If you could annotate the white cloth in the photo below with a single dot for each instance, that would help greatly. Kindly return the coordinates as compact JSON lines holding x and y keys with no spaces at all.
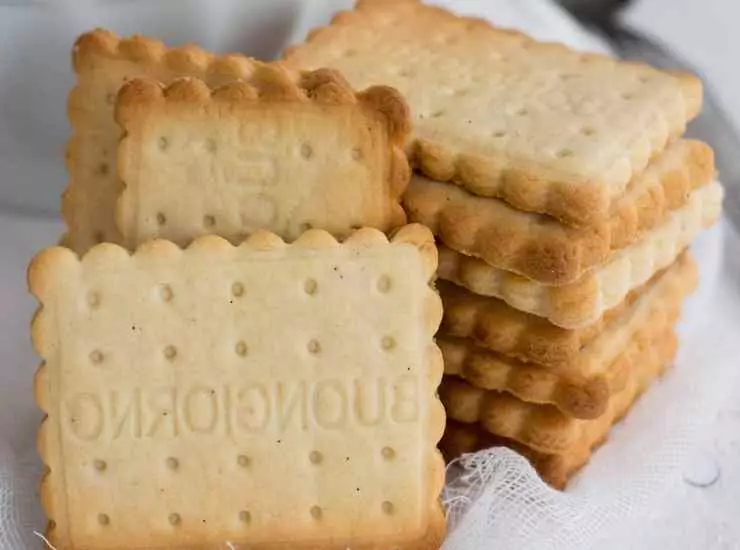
{"x":497,"y":501}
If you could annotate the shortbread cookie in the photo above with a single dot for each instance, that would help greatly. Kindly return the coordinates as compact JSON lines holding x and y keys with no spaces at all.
{"x":497,"y":326}
{"x":281,"y":152}
{"x":583,"y":302}
{"x":544,"y":428}
{"x":544,"y":128}
{"x":555,"y":469}
{"x":576,"y":394}
{"x":262,"y":396}
{"x":103,"y":62}
{"x":539,"y":247}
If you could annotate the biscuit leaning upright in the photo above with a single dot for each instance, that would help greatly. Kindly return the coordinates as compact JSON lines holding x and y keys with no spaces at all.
{"x":265,"y":396}
{"x":281,"y":151}
{"x":103,"y":62}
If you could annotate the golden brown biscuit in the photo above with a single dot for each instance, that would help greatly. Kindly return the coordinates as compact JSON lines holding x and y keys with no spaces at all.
{"x":545,"y":128}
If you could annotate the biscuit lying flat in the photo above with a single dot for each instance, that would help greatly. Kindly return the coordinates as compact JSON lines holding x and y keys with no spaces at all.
{"x":281,"y":151}
{"x":543,"y":428}
{"x":103,"y":62}
{"x":583,"y":302}
{"x":266,"y":395}
{"x":576,"y":394}
{"x":496,"y":326}
{"x":545,"y":128}
{"x":543,"y":249}
{"x":554,"y":469}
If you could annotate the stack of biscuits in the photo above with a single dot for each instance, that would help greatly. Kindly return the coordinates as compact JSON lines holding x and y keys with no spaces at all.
{"x":563,"y":197}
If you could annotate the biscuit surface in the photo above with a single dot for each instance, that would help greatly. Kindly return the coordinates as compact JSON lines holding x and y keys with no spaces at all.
{"x":103,"y":62}
{"x":266,"y":395}
{"x":496,"y":326}
{"x":544,"y":428}
{"x":544,"y":250}
{"x":583,"y":302}
{"x":545,"y":128}
{"x":279,"y":151}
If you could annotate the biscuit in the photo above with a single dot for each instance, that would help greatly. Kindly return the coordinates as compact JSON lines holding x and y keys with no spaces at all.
{"x":103,"y":62}
{"x":539,"y":247}
{"x":498,"y":327}
{"x":545,"y":128}
{"x":554,"y":469}
{"x":544,"y":428}
{"x":280,"y":151}
{"x":575,"y":393}
{"x":262,"y":396}
{"x":583,"y":302}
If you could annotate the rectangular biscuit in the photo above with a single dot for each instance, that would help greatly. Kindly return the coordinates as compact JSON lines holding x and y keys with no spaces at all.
{"x":263,"y":396}
{"x":544,"y":428}
{"x":545,"y":128}
{"x":541,"y":248}
{"x":576,"y":394}
{"x":498,"y":327}
{"x":279,"y":151}
{"x":103,"y":62}
{"x":584,"y":301}
{"x":555,"y":469}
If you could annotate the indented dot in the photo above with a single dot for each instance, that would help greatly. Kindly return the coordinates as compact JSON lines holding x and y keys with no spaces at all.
{"x":384,"y":284}
{"x":627,"y":96}
{"x":211,"y":145}
{"x":316,"y":512}
{"x":173,"y":463}
{"x":405,"y":72}
{"x":241,"y":349}
{"x":209,"y":221}
{"x":310,"y":286}
{"x":564,"y":153}
{"x":161,"y":218}
{"x":170,"y":352}
{"x":314,"y":346}
{"x":96,"y":356}
{"x":164,"y":143}
{"x":588,"y":131}
{"x":499,"y":134}
{"x":110,"y":98}
{"x":306,"y":151}
{"x":388,"y":342}
{"x":388,"y":453}
{"x":175,"y":519}
{"x":103,"y":519}
{"x":243,"y":461}
{"x":315,"y":457}
{"x":93,"y":299}
{"x":245,"y":517}
{"x":462,"y":92}
{"x":237,"y":289}
{"x":388,"y":507}
{"x":100,"y":465}
{"x":522,"y":112}
{"x":165,"y":292}
{"x":103,"y":169}
{"x":350,"y":52}
{"x":437,"y":114}
{"x":356,"y":153}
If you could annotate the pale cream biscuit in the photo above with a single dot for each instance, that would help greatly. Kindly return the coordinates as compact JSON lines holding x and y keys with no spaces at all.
{"x":264,"y":396}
